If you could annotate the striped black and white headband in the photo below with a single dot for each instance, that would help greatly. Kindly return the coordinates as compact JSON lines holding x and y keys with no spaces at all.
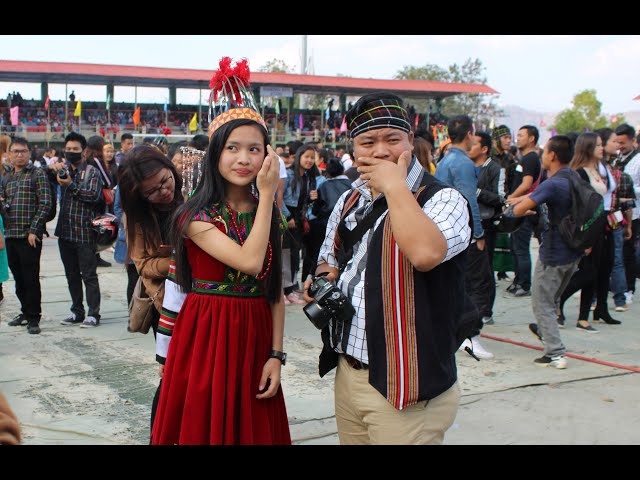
{"x":379,"y":114}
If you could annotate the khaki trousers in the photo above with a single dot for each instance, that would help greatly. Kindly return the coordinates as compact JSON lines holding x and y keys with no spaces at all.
{"x":365,"y":417}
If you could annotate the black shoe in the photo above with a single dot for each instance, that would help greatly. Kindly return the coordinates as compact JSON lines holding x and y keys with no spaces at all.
{"x":512,"y":288}
{"x":72,"y":320}
{"x":604,"y":316}
{"x":503,"y":276}
{"x":534,"y":329}
{"x":33,"y":328}
{"x":103,"y":263}
{"x":587,"y":329}
{"x":18,"y":321}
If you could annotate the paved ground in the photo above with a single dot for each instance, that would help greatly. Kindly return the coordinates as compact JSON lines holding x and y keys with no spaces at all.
{"x":94,"y":386}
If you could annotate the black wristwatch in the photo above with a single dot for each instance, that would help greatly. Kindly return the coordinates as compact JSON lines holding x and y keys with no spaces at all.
{"x":279,"y":355}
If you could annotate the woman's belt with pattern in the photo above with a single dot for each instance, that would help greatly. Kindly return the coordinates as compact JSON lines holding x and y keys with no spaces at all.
{"x":224,"y":288}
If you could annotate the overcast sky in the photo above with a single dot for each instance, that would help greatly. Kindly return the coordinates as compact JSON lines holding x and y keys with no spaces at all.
{"x":537,"y":72}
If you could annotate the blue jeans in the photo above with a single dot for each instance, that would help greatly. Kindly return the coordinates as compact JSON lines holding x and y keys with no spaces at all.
{"x":520,"y":243}
{"x":618,"y":278}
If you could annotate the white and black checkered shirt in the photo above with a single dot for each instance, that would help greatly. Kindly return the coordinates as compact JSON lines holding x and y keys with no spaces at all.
{"x":447,"y":208}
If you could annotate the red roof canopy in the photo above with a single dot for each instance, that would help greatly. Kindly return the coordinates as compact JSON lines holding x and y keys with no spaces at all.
{"x":95,"y":74}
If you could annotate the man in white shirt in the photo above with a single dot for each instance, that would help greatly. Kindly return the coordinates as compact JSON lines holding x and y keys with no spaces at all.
{"x":396,"y":380}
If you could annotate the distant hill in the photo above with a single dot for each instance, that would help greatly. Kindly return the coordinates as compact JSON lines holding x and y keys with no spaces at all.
{"x":515,"y":117}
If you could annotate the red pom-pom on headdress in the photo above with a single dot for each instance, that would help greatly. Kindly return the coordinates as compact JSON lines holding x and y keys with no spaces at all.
{"x":230,"y":92}
{"x":222,"y":74}
{"x":242,"y":71}
{"x":226,"y":74}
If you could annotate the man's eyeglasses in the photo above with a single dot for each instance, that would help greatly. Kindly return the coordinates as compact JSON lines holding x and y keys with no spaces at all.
{"x":19,"y":152}
{"x":162,"y":185}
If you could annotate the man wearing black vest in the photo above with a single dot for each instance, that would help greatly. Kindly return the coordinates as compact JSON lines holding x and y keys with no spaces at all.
{"x":396,"y":381}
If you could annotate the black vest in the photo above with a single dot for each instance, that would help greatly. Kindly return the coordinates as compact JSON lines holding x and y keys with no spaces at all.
{"x":438,"y":296}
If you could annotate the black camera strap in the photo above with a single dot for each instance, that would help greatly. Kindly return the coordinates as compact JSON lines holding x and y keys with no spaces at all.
{"x":351,"y":237}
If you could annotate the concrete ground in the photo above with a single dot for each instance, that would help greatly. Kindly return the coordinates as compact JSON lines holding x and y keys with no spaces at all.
{"x":73,"y":386}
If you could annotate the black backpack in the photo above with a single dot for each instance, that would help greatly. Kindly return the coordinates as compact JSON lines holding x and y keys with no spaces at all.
{"x":586,"y":217}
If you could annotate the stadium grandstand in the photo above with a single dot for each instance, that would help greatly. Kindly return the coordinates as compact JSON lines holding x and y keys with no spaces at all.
{"x":48,"y":121}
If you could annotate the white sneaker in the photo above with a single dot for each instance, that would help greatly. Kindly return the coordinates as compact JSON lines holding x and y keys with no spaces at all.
{"x":89,"y":322}
{"x":478,"y":350}
{"x":559,"y":361}
{"x":629,"y":297}
{"x":622,"y":308}
{"x":466,"y":343}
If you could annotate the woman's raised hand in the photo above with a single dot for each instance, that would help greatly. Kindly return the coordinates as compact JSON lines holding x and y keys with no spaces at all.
{"x":269,"y":174}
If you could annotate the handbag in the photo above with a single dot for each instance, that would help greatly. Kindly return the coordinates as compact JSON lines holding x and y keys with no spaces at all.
{"x":141,"y":308}
{"x":109,"y":195}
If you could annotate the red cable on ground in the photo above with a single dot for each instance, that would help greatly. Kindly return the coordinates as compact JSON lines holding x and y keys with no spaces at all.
{"x":570,"y":355}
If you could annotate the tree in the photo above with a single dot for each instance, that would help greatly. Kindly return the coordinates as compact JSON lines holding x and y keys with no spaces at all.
{"x":475,"y":105}
{"x":585,"y":113}
{"x":276,"y":66}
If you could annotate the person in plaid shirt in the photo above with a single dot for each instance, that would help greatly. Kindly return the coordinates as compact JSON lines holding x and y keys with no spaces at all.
{"x":81,"y":190}
{"x":27,"y":199}
{"x":624,"y":201}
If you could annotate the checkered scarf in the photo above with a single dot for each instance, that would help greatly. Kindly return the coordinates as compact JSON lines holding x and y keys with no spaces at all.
{"x":379,"y":114}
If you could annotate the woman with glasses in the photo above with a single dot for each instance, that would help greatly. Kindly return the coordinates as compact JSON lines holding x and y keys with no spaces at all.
{"x":150,"y":191}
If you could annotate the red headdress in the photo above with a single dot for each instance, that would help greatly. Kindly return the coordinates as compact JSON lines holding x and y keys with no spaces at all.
{"x":231,"y":96}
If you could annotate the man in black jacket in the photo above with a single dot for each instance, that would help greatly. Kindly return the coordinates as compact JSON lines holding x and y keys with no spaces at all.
{"x":490,"y":193}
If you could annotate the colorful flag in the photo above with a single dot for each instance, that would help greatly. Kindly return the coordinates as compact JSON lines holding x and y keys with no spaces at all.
{"x":301,"y":121}
{"x":14,"y":116}
{"x":108,"y":101}
{"x":343,"y":127}
{"x":193,"y":125}
{"x":78,"y":111}
{"x":418,"y":120}
{"x":46,"y":103}
{"x":136,"y":116}
{"x":166,"y":108}
{"x":328,"y":113}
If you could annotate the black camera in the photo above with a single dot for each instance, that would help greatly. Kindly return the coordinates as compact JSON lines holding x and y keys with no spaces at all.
{"x":329,"y":303}
{"x":63,"y":173}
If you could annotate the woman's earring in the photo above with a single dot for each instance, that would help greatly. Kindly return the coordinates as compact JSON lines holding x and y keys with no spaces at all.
{"x":191,"y":156}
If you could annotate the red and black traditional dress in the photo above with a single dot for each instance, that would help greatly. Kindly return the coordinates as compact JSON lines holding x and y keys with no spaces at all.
{"x":219,"y":345}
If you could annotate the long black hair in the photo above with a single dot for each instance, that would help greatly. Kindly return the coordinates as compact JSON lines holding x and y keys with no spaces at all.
{"x":211,"y":191}
{"x":139,"y":163}
{"x":313,"y":172}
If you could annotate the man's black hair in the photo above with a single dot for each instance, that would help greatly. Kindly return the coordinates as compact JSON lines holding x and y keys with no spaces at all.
{"x":76,"y":137}
{"x":458,"y":127}
{"x":532,"y":131}
{"x":626,"y":129}
{"x":485,"y":140}
{"x":562,"y":146}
